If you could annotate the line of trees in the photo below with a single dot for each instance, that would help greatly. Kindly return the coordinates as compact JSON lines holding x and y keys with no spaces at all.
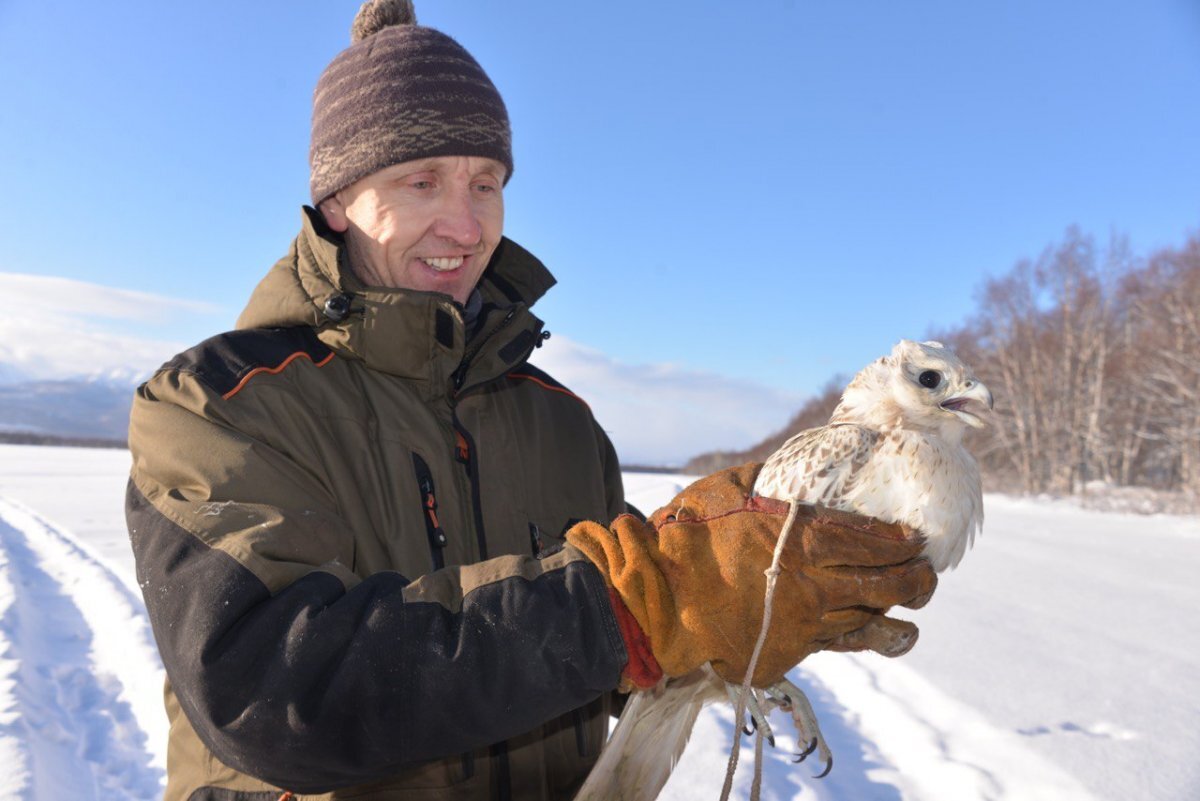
{"x":31,"y":438}
{"x":1094,"y":358}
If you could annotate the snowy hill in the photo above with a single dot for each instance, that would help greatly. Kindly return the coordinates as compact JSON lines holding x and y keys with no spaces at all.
{"x":92,"y":407}
{"x":1060,"y":661}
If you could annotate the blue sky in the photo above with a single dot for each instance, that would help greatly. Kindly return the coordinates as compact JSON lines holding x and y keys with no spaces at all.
{"x":766,"y":193}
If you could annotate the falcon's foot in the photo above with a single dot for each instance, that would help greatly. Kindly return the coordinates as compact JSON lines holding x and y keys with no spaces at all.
{"x":758,"y":716}
{"x":791,"y":699}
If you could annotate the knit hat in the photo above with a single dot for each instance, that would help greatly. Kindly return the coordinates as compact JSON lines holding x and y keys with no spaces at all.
{"x":400,"y":92}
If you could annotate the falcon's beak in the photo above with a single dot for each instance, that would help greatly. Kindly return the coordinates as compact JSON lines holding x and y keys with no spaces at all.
{"x":971,"y":403}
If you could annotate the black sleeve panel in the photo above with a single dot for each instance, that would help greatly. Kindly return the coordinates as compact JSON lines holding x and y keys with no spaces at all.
{"x":318,"y":687}
{"x":223,"y":362}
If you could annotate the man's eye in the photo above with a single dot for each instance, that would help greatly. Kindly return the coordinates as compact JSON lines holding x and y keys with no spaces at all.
{"x":421,"y":184}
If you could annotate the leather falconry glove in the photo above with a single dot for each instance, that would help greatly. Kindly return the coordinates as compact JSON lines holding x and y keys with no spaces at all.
{"x":687,"y":586}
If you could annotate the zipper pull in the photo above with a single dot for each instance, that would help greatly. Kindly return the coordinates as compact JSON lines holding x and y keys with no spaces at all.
{"x":429,"y":505}
{"x":437,"y":533}
{"x":462,"y":450}
{"x":535,"y":539}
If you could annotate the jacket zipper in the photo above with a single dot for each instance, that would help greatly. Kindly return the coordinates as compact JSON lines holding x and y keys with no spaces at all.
{"x":465,"y":452}
{"x":464,"y":445}
{"x":437,"y":535}
{"x":460,"y":373}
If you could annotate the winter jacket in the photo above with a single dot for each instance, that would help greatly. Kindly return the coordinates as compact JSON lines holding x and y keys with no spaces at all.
{"x":336,"y":513}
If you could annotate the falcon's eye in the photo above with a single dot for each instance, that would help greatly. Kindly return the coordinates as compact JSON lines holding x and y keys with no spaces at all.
{"x":930,"y":379}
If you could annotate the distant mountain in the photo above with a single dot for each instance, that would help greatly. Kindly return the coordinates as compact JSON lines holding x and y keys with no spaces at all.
{"x":11,"y":375}
{"x":88,"y":408}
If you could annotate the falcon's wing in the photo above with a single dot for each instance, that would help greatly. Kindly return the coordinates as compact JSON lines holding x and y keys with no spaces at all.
{"x":817,"y":465}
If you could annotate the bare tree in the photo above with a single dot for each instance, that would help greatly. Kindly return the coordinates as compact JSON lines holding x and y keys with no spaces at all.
{"x":1165,"y":313}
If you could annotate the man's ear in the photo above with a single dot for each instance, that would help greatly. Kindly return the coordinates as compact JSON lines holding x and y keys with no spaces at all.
{"x":334,"y":213}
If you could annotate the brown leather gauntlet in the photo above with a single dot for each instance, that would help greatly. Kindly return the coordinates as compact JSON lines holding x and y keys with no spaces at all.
{"x":693,"y":579}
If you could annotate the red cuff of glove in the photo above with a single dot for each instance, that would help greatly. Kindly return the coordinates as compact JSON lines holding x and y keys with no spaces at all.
{"x":642,"y":670}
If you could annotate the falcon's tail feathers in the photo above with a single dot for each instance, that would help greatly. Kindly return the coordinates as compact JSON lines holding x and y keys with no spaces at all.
{"x":649,"y":739}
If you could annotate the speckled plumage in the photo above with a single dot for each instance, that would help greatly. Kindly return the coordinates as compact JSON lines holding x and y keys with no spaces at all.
{"x":892,"y":451}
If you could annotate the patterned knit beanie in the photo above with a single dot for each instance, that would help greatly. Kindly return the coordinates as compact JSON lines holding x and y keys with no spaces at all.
{"x":400,"y":92}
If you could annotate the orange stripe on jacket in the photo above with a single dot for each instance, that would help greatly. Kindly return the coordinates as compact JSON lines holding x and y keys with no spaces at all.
{"x":550,"y":387}
{"x":274,"y":370}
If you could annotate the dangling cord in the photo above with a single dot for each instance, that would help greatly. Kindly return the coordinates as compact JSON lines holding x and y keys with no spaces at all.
{"x":772,"y":573}
{"x":756,"y":787}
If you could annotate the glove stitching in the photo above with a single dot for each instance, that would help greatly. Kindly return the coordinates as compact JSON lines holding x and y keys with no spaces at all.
{"x":694,"y":520}
{"x":875,"y":531}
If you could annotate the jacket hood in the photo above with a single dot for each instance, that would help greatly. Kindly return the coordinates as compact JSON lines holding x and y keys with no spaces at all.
{"x":408,"y":333}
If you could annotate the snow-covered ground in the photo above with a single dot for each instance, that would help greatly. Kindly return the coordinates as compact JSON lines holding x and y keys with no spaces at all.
{"x":80,"y":681}
{"x":1060,"y":661}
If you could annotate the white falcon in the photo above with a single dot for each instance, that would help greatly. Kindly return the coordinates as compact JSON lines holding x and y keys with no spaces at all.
{"x":892,"y":450}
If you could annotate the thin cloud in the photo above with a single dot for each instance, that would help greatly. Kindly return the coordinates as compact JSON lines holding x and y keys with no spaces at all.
{"x":662,"y":413}
{"x":66,"y":296}
{"x":63,"y":328}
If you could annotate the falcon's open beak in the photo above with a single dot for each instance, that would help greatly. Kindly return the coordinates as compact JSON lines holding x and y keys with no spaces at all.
{"x":971,"y":404}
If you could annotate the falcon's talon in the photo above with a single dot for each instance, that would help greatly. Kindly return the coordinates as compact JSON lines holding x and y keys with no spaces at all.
{"x":758,"y":716}
{"x":790,"y":698}
{"x":807,"y":752}
{"x":803,"y":755}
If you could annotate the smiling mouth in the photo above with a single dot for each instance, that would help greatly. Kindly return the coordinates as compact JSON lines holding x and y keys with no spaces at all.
{"x":444,"y":265}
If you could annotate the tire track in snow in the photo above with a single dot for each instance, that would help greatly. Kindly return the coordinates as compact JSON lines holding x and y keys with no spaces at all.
{"x":895,"y":737}
{"x":947,"y":749}
{"x":75,"y":648}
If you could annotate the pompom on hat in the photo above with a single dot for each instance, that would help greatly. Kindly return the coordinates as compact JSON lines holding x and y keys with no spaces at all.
{"x":400,"y":92}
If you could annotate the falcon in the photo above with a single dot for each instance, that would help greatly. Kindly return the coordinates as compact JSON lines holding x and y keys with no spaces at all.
{"x":893,"y":450}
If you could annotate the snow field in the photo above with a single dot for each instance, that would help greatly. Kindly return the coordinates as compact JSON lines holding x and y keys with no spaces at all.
{"x":78,"y":719}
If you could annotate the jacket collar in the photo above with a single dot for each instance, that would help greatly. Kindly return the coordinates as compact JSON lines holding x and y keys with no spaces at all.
{"x":419,"y":336}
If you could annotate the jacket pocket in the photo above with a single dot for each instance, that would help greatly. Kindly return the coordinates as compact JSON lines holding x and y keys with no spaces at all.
{"x":433,"y":529}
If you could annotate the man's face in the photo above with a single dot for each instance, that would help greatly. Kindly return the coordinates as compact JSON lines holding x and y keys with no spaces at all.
{"x":430,"y":224}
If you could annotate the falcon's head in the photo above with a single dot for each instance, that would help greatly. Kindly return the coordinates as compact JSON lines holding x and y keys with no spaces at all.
{"x":919,"y":385}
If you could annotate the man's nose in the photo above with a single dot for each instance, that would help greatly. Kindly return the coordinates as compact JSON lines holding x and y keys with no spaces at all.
{"x":457,"y":220}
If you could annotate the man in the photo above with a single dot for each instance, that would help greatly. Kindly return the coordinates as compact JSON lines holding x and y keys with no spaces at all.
{"x":349,"y":515}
